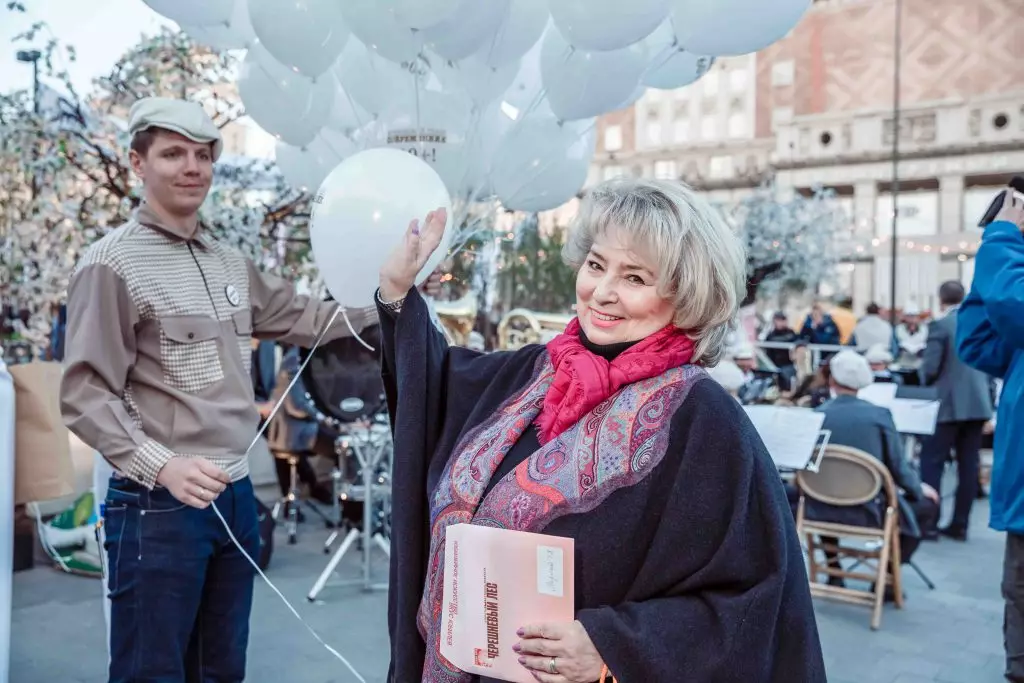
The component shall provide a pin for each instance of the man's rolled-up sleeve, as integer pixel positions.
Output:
(278, 312)
(100, 353)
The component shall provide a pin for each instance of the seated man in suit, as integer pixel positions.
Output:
(870, 428)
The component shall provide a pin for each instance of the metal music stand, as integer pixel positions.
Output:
(920, 393)
(819, 450)
(370, 443)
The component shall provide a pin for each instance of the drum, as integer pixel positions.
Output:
(343, 380)
(345, 390)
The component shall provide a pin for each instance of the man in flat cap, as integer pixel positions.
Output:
(859, 424)
(157, 380)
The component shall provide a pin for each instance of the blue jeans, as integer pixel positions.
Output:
(180, 590)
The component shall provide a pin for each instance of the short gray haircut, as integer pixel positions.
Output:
(701, 263)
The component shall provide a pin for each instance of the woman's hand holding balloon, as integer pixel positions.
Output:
(399, 272)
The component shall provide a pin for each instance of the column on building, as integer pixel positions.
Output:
(951, 205)
(865, 203)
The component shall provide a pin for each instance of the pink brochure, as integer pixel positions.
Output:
(495, 582)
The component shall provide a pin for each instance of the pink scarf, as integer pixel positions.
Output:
(584, 379)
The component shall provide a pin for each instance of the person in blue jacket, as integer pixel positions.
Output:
(990, 337)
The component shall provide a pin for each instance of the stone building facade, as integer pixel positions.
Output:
(817, 108)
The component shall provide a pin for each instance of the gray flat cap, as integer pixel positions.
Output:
(180, 116)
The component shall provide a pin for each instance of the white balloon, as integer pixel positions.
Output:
(473, 77)
(194, 12)
(521, 29)
(307, 35)
(526, 94)
(346, 116)
(633, 98)
(236, 34)
(471, 26)
(380, 31)
(284, 103)
(306, 167)
(420, 14)
(361, 213)
(734, 27)
(581, 83)
(541, 164)
(435, 131)
(607, 24)
(373, 82)
(481, 143)
(671, 66)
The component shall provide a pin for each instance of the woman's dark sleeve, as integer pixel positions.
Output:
(722, 594)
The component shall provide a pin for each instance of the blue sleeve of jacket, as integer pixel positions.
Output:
(977, 342)
(999, 278)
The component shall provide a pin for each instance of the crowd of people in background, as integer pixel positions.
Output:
(834, 356)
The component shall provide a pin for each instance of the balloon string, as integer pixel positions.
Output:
(266, 423)
(419, 132)
(500, 33)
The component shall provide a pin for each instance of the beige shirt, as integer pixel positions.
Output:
(157, 362)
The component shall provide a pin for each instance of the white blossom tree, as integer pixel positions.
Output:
(792, 242)
(65, 179)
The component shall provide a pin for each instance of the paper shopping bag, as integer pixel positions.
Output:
(43, 469)
(495, 582)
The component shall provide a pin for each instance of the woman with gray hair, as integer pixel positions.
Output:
(687, 563)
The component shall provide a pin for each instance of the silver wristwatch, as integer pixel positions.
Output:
(390, 306)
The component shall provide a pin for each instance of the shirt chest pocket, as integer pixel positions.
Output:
(190, 352)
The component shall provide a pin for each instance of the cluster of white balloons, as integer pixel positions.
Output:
(498, 96)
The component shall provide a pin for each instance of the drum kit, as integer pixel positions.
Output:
(343, 385)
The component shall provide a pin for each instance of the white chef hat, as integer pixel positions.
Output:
(743, 352)
(728, 374)
(878, 354)
(851, 370)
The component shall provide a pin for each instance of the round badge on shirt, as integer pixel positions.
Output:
(232, 294)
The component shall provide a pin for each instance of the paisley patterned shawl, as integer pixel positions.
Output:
(617, 444)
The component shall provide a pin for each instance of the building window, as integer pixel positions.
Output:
(613, 172)
(781, 116)
(709, 128)
(681, 131)
(613, 138)
(737, 126)
(783, 73)
(738, 80)
(721, 167)
(665, 170)
(654, 134)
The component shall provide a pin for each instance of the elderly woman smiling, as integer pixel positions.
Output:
(687, 563)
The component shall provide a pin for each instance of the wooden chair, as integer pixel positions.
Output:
(848, 477)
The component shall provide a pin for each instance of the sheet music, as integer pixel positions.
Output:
(879, 393)
(790, 434)
(911, 415)
(914, 416)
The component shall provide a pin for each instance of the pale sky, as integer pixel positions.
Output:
(100, 30)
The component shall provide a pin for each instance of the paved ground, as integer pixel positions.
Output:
(949, 635)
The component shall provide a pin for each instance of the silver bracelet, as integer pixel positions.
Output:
(390, 306)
